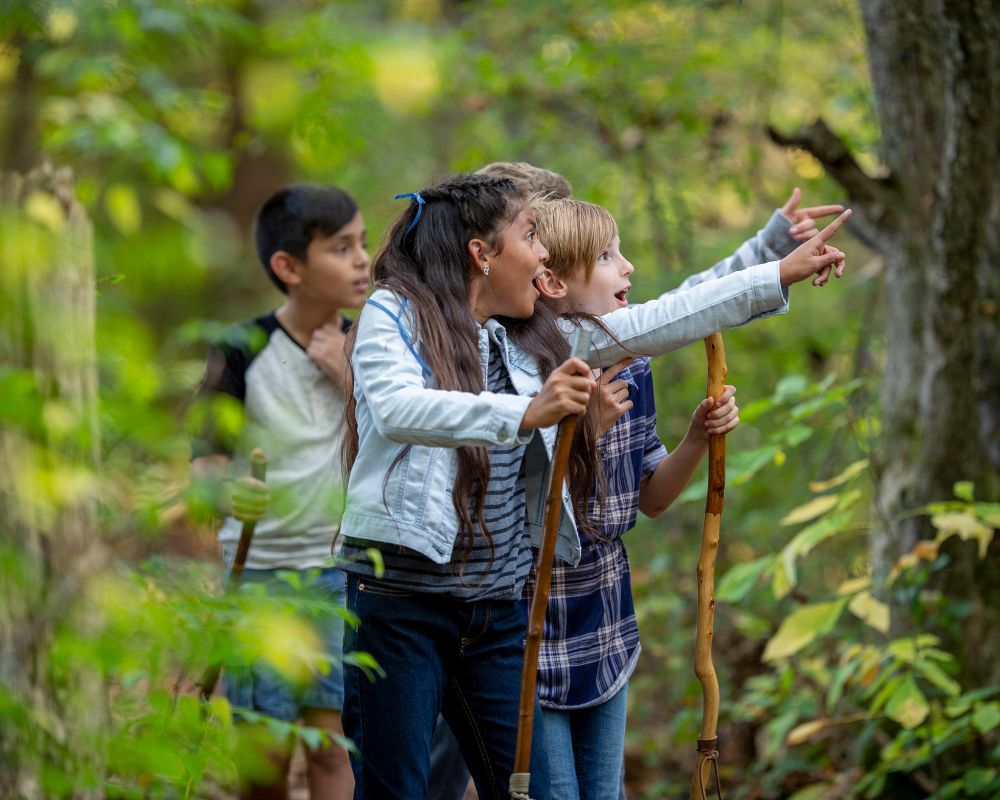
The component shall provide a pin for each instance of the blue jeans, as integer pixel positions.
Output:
(259, 687)
(462, 659)
(586, 749)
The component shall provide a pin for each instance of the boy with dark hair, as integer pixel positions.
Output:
(286, 371)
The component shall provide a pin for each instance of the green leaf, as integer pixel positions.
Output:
(964, 490)
(907, 706)
(979, 779)
(802, 627)
(818, 791)
(840, 679)
(806, 539)
(740, 579)
(986, 717)
(934, 674)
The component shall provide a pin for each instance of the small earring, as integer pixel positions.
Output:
(486, 269)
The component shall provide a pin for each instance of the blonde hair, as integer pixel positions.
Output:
(575, 233)
(531, 180)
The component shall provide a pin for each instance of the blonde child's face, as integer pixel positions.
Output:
(607, 288)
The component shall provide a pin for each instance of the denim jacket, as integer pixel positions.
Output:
(398, 403)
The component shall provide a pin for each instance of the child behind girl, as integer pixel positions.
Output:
(447, 479)
(590, 642)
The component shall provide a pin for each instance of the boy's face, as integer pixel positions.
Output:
(335, 272)
(607, 288)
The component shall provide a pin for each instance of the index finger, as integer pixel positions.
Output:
(575, 366)
(822, 211)
(825, 234)
(614, 369)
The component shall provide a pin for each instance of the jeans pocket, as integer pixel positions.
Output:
(373, 587)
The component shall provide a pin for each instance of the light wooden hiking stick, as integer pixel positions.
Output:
(708, 742)
(258, 470)
(520, 779)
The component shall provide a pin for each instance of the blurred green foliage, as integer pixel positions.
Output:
(179, 117)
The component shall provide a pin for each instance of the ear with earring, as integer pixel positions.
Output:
(486, 269)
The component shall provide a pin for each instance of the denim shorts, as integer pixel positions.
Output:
(260, 688)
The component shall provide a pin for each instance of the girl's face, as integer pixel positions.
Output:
(608, 286)
(509, 290)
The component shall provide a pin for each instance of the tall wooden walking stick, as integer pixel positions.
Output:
(708, 742)
(258, 470)
(520, 779)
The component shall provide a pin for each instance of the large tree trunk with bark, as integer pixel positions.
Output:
(935, 219)
(53, 712)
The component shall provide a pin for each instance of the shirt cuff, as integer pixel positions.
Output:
(776, 241)
(505, 424)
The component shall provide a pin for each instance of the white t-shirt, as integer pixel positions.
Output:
(294, 413)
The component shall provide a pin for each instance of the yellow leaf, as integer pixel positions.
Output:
(907, 706)
(220, 709)
(814, 508)
(854, 469)
(801, 627)
(804, 732)
(871, 611)
(965, 526)
(781, 584)
(852, 585)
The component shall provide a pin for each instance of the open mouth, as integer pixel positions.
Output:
(622, 296)
(361, 285)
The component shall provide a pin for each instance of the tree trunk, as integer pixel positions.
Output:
(48, 510)
(935, 70)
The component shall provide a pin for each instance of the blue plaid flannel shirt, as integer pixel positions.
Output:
(590, 642)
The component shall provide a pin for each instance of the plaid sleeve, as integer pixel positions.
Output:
(653, 450)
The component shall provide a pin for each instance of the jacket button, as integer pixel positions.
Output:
(502, 434)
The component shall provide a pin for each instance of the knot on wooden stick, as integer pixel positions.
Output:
(709, 748)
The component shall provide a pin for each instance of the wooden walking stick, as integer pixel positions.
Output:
(258, 470)
(520, 779)
(708, 742)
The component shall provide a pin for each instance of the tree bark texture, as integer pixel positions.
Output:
(48, 461)
(934, 218)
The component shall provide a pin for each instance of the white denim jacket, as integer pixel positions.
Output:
(399, 404)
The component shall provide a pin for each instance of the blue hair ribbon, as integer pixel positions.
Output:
(420, 209)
